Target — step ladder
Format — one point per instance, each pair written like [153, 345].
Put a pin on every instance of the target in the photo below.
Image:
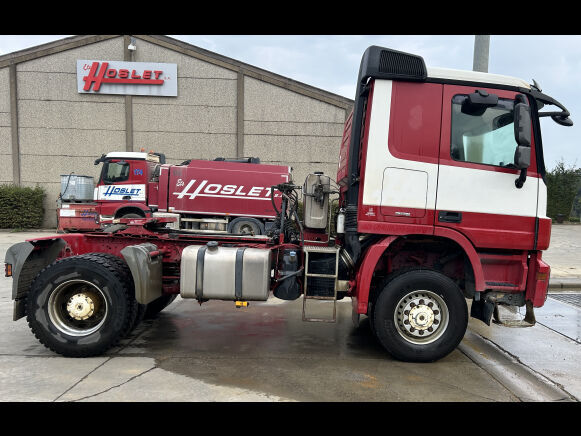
[306, 296]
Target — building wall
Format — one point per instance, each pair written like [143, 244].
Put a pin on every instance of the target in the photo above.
[61, 131]
[5, 133]
[286, 128]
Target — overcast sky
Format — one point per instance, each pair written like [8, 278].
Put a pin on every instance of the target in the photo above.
[331, 62]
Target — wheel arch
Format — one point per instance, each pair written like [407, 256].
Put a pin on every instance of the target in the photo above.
[28, 259]
[132, 208]
[392, 253]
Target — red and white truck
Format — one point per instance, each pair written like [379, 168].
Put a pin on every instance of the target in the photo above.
[223, 195]
[441, 198]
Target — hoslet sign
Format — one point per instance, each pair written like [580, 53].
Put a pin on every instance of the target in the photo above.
[127, 78]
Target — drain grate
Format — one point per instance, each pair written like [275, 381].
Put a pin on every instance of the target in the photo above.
[570, 298]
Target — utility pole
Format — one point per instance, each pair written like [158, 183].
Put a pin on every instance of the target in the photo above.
[481, 48]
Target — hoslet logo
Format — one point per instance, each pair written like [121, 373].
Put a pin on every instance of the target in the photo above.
[205, 189]
[115, 190]
[105, 74]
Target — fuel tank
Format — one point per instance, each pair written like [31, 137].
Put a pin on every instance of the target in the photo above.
[225, 273]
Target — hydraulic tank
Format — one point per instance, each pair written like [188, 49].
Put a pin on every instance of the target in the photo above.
[316, 202]
[225, 273]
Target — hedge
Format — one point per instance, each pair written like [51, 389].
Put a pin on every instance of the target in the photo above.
[21, 207]
[563, 185]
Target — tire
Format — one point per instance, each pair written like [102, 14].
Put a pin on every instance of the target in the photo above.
[123, 269]
[420, 316]
[371, 317]
[246, 226]
[157, 305]
[81, 306]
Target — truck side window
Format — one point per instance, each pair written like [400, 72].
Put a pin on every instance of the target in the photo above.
[484, 138]
[154, 173]
[114, 172]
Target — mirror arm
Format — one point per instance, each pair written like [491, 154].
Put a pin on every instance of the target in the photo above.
[521, 179]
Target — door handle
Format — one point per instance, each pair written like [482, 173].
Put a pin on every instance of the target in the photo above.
[126, 197]
[450, 217]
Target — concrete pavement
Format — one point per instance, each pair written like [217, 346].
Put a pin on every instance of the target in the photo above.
[265, 353]
[564, 256]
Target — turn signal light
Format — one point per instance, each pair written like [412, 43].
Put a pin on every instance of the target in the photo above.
[240, 304]
[8, 270]
[542, 276]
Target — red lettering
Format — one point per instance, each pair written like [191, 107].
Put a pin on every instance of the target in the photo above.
[97, 76]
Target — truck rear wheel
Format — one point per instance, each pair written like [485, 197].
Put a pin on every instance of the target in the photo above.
[123, 268]
[81, 306]
[246, 226]
[420, 316]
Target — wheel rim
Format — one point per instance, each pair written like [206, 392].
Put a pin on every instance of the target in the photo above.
[77, 308]
[421, 317]
[245, 228]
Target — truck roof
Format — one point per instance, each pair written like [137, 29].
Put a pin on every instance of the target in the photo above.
[475, 77]
[386, 63]
[132, 155]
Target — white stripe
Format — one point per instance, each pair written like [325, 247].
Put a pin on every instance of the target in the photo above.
[415, 184]
[482, 191]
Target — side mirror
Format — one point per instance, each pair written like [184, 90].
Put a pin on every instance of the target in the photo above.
[522, 124]
[477, 102]
[522, 135]
[522, 157]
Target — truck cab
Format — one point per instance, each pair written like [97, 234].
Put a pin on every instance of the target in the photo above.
[448, 166]
[126, 184]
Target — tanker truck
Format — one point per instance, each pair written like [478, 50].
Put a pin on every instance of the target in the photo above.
[220, 195]
[441, 201]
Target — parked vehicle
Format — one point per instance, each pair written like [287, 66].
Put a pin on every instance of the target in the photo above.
[223, 195]
[441, 197]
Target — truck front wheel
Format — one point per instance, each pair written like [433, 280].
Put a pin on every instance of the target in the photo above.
[80, 306]
[420, 316]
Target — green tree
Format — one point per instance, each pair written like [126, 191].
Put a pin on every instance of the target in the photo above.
[563, 184]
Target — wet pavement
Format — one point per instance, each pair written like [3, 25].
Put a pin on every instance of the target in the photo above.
[564, 254]
[215, 352]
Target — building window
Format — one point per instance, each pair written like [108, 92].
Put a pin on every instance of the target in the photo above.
[485, 136]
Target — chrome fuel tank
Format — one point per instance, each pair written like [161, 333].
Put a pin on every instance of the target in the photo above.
[225, 273]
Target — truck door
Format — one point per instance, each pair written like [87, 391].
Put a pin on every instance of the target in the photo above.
[476, 192]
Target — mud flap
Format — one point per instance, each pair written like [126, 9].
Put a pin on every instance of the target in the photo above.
[482, 310]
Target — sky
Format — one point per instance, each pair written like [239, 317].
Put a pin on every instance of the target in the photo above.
[331, 63]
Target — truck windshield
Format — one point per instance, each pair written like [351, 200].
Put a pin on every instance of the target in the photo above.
[114, 172]
[486, 138]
